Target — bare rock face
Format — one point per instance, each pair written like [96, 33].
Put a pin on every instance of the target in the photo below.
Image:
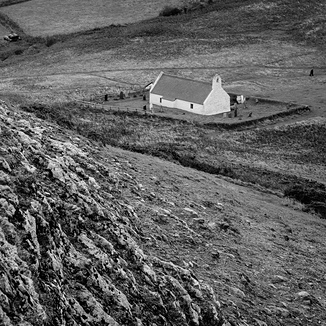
[68, 241]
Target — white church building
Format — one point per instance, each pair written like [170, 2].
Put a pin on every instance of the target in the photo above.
[189, 95]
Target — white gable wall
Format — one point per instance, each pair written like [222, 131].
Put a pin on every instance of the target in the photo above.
[218, 101]
[154, 99]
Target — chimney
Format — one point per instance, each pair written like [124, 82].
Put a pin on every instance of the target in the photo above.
[217, 82]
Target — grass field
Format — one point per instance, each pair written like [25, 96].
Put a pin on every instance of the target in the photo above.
[41, 17]
[276, 158]
[252, 46]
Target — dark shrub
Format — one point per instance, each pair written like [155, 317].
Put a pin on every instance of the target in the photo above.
[170, 11]
[19, 51]
[49, 41]
[306, 194]
[53, 113]
[319, 208]
[312, 195]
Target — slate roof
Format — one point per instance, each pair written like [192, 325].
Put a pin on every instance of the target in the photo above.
[173, 87]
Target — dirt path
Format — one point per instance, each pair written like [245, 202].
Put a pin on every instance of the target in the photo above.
[321, 69]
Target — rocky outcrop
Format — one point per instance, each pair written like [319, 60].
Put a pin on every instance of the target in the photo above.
[68, 241]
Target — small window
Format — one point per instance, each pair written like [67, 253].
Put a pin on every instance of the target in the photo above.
[191, 106]
[160, 99]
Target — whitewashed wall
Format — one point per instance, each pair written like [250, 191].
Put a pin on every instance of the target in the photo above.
[218, 101]
[154, 99]
[184, 105]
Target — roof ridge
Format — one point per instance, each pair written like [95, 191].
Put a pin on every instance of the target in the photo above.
[179, 77]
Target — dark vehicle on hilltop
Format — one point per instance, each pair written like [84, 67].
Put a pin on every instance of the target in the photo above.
[12, 37]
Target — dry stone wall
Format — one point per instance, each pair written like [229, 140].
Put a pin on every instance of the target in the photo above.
[68, 240]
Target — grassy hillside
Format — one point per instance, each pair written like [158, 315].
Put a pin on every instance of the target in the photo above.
[69, 252]
[94, 235]
[93, 231]
[41, 17]
[263, 47]
[282, 159]
[260, 46]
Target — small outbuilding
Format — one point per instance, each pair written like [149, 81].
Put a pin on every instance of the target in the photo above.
[190, 95]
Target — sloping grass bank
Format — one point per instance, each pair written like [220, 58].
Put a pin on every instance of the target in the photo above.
[6, 3]
[187, 144]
